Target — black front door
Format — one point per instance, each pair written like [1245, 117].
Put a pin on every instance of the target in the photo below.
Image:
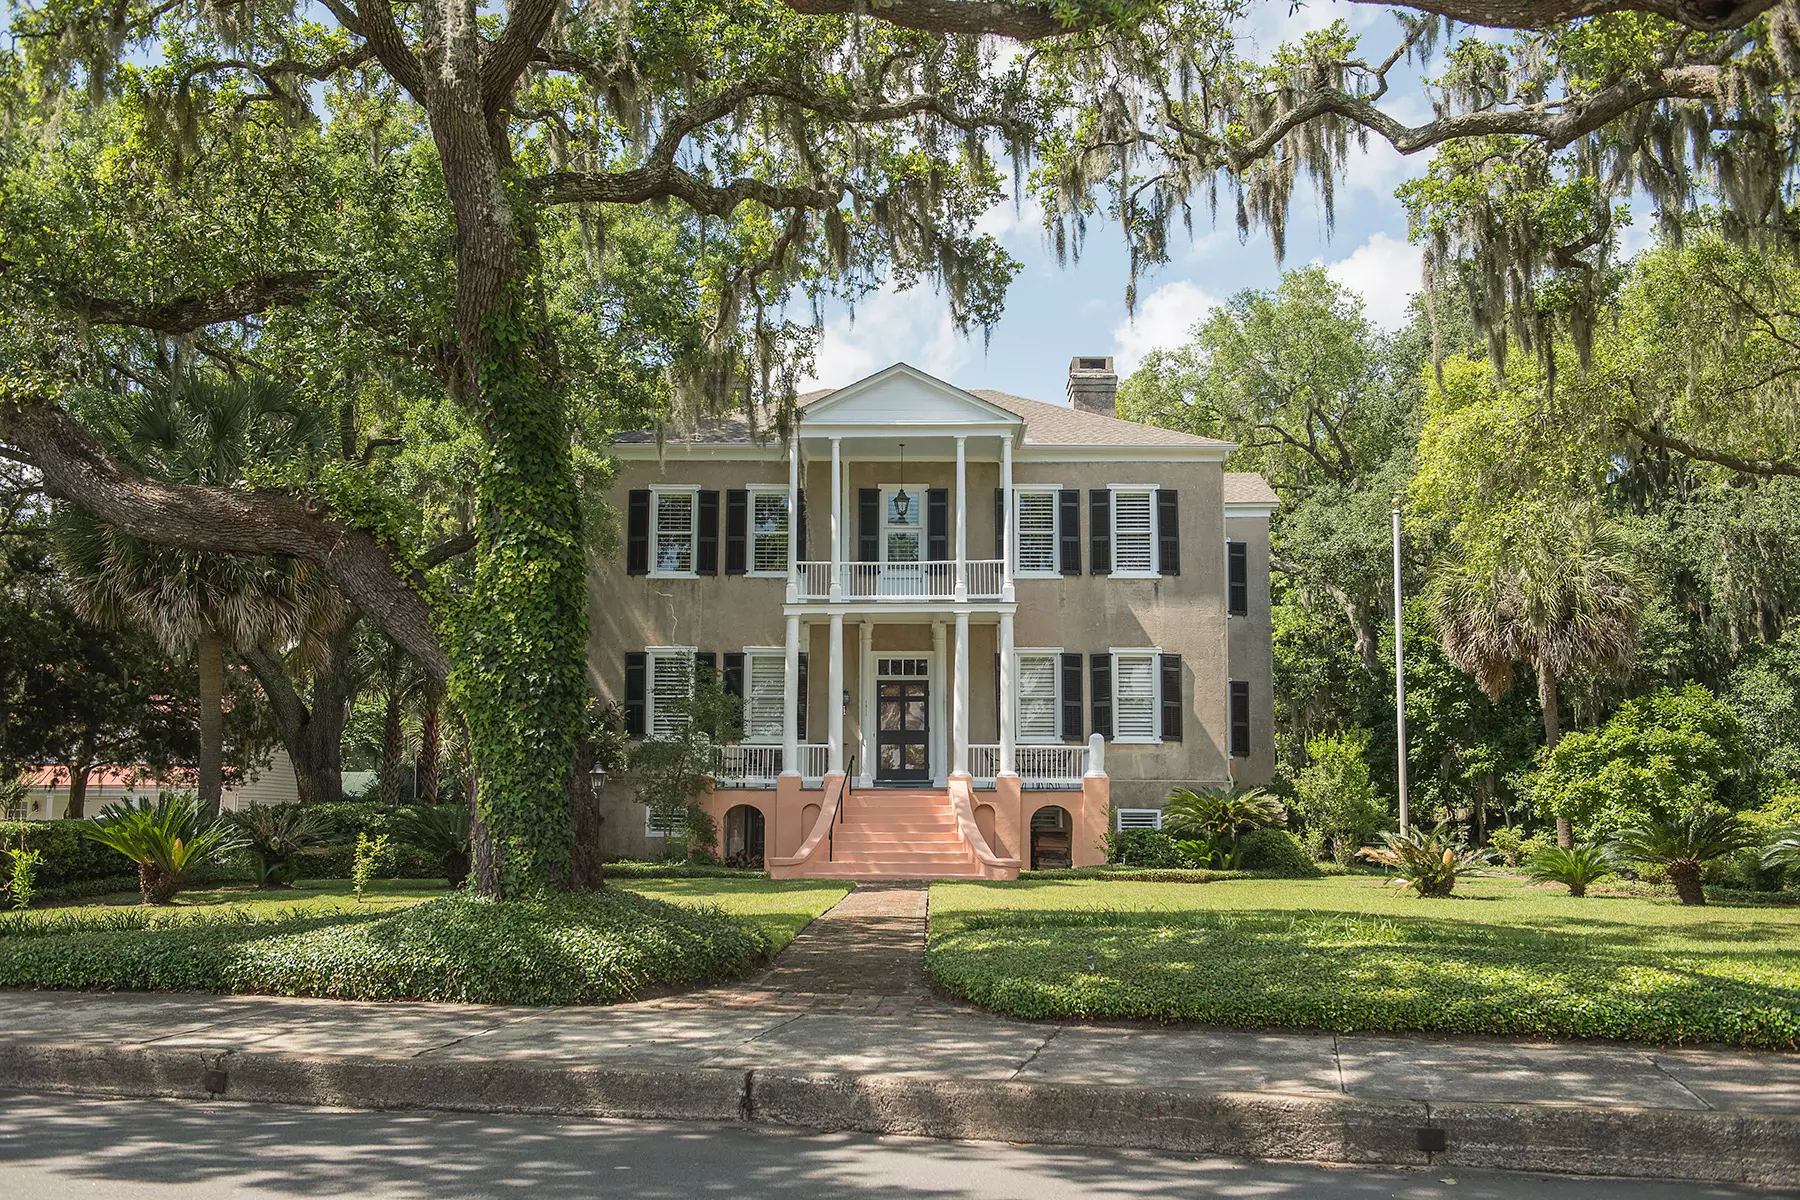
[902, 753]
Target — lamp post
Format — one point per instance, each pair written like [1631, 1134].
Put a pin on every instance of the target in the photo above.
[1400, 674]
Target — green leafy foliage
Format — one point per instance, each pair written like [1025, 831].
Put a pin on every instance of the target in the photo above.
[1217, 816]
[1428, 863]
[1575, 866]
[1145, 848]
[22, 868]
[371, 856]
[1334, 796]
[573, 948]
[1275, 852]
[166, 840]
[1683, 843]
[440, 831]
[277, 837]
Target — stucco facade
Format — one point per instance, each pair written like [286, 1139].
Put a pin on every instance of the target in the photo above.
[899, 594]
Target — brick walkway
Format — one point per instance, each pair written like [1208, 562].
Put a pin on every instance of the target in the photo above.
[864, 954]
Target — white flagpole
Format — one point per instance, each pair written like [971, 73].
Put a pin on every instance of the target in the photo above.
[1400, 674]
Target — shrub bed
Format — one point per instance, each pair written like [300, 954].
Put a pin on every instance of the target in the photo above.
[579, 948]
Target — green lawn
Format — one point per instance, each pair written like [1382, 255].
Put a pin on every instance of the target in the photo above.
[309, 896]
[1355, 953]
[779, 907]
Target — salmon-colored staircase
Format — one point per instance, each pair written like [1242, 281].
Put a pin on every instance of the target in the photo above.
[887, 833]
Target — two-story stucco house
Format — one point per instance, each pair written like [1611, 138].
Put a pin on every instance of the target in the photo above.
[972, 632]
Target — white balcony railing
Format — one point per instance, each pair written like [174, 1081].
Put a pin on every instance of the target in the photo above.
[741, 766]
[1050, 767]
[814, 758]
[934, 580]
[984, 764]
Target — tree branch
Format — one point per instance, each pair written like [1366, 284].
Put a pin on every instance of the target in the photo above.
[507, 59]
[191, 312]
[452, 546]
[1765, 467]
[220, 520]
[1541, 14]
[666, 182]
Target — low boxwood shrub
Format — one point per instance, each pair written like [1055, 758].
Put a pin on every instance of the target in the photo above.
[69, 858]
[1145, 848]
[573, 948]
[1275, 852]
[1130, 874]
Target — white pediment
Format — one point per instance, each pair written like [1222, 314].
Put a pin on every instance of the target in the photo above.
[903, 395]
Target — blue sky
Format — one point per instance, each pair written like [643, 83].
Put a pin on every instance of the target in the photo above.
[1054, 313]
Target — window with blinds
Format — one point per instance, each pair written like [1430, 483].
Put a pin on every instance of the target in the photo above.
[1134, 531]
[764, 693]
[673, 535]
[671, 691]
[768, 532]
[1135, 696]
[1037, 532]
[1037, 696]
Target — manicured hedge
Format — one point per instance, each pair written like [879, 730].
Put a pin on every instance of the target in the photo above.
[1275, 852]
[69, 858]
[579, 948]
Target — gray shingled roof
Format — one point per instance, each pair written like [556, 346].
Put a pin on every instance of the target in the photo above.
[1247, 487]
[1045, 425]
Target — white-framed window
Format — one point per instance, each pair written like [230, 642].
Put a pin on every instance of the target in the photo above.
[673, 526]
[664, 825]
[768, 531]
[1136, 696]
[1134, 531]
[765, 693]
[1035, 530]
[903, 525]
[669, 686]
[1139, 818]
[1037, 696]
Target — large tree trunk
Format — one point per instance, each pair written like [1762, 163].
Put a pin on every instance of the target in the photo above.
[1565, 829]
[312, 735]
[1685, 875]
[427, 770]
[393, 743]
[78, 781]
[211, 661]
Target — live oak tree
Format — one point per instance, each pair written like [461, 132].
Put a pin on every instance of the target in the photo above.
[793, 148]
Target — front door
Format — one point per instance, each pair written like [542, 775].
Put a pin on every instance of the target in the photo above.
[902, 753]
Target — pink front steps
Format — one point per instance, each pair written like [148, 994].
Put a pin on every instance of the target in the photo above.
[887, 833]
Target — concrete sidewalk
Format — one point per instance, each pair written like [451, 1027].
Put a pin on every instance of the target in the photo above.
[843, 1031]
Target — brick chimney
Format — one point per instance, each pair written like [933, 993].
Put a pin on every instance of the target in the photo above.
[1092, 385]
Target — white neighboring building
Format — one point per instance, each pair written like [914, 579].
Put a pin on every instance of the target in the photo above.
[47, 789]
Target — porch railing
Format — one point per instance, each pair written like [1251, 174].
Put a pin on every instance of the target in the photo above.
[935, 580]
[741, 766]
[814, 758]
[1050, 767]
[984, 764]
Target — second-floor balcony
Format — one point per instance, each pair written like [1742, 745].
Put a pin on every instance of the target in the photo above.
[858, 581]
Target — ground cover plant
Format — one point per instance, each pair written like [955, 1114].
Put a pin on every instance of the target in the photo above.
[1351, 953]
[780, 908]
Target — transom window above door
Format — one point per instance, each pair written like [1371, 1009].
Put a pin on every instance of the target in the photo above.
[902, 668]
[903, 525]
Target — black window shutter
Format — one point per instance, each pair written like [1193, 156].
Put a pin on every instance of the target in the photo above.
[706, 557]
[1168, 532]
[1099, 531]
[868, 525]
[1237, 559]
[637, 666]
[937, 524]
[1068, 530]
[737, 531]
[1071, 698]
[999, 522]
[800, 702]
[1240, 719]
[1171, 698]
[1100, 693]
[734, 675]
[800, 546]
[637, 532]
[706, 663]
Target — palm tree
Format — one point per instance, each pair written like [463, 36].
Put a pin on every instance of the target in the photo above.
[1685, 844]
[212, 430]
[1558, 588]
[1219, 814]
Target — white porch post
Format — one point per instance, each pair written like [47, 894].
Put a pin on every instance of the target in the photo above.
[938, 681]
[962, 534]
[1008, 525]
[1007, 702]
[959, 721]
[790, 701]
[865, 717]
[834, 703]
[793, 520]
[837, 540]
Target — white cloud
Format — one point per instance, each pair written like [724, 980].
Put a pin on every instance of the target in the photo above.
[913, 326]
[1162, 323]
[1386, 273]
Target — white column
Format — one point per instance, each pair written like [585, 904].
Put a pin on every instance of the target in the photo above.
[865, 713]
[959, 721]
[939, 680]
[962, 531]
[834, 701]
[1007, 702]
[793, 520]
[1008, 522]
[837, 540]
[790, 701]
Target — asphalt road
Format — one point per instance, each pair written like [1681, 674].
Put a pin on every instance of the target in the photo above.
[52, 1147]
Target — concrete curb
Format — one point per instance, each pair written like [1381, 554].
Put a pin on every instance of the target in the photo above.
[1701, 1146]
